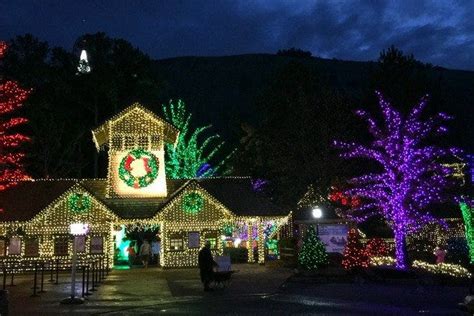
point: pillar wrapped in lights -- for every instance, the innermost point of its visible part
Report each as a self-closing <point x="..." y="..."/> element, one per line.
<point x="260" y="243"/>
<point x="250" y="242"/>
<point x="413" y="176"/>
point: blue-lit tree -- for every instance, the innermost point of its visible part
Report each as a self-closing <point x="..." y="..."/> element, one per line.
<point x="192" y="157"/>
<point x="412" y="174"/>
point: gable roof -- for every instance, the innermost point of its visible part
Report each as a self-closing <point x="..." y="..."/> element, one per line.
<point x="132" y="208"/>
<point x="101" y="134"/>
<point x="23" y="201"/>
<point x="237" y="194"/>
<point x="28" y="198"/>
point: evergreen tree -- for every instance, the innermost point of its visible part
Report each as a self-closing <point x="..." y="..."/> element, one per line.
<point x="313" y="253"/>
<point x="467" y="214"/>
<point x="354" y="254"/>
<point x="192" y="158"/>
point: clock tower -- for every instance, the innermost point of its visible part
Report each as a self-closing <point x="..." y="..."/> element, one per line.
<point x="135" y="141"/>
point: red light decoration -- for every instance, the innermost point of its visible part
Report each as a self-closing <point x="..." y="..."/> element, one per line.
<point x="3" y="48"/>
<point x="337" y="196"/>
<point x="354" y="254"/>
<point x="376" y="247"/>
<point x="12" y="97"/>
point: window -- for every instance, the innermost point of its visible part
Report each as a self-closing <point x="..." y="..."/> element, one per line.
<point x="155" y="141"/>
<point x="193" y="240"/>
<point x="61" y="246"/>
<point x="97" y="244"/>
<point x="80" y="243"/>
<point x="116" y="142"/>
<point x="143" y="141"/>
<point x="14" y="246"/>
<point x="176" y="242"/>
<point x="129" y="142"/>
<point x="211" y="236"/>
<point x="32" y="247"/>
<point x="3" y="247"/>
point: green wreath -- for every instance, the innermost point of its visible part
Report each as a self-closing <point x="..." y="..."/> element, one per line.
<point x="79" y="203"/>
<point x="150" y="164"/>
<point x="192" y="203"/>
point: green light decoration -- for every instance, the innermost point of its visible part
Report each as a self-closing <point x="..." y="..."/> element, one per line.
<point x="192" y="203"/>
<point x="191" y="157"/>
<point x="228" y="230"/>
<point x="313" y="254"/>
<point x="121" y="243"/>
<point x="466" y="211"/>
<point x="149" y="165"/>
<point x="79" y="203"/>
<point x="272" y="246"/>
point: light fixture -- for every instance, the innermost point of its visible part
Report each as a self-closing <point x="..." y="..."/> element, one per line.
<point x="78" y="229"/>
<point x="317" y="212"/>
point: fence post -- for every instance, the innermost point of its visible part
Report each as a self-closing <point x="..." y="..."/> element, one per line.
<point x="93" y="277"/>
<point x="101" y="269"/>
<point x="83" y="280"/>
<point x="51" y="266"/>
<point x="97" y="273"/>
<point x="13" y="275"/>
<point x="87" y="280"/>
<point x="4" y="269"/>
<point x="57" y="271"/>
<point x="35" y="281"/>
<point x="42" y="278"/>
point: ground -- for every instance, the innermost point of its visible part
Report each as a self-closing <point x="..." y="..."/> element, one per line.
<point x="255" y="289"/>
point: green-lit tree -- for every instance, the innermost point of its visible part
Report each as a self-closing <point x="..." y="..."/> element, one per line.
<point x="192" y="157"/>
<point x="467" y="211"/>
<point x="313" y="253"/>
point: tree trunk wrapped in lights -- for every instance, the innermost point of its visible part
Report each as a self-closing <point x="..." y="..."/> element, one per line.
<point x="412" y="177"/>
<point x="191" y="158"/>
<point x="12" y="97"/>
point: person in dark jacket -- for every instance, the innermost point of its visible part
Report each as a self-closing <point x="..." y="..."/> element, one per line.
<point x="206" y="265"/>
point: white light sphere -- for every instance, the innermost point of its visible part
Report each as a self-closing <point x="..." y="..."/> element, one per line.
<point x="237" y="242"/>
<point x="317" y="212"/>
<point x="78" y="229"/>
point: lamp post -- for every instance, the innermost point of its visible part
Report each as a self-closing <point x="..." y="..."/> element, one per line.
<point x="317" y="213"/>
<point x="75" y="229"/>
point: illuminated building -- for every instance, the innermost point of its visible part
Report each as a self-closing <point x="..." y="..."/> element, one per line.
<point x="136" y="193"/>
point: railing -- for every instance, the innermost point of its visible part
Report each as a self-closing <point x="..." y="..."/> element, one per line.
<point x="94" y="271"/>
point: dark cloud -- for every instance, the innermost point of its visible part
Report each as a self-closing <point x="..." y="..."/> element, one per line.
<point x="438" y="32"/>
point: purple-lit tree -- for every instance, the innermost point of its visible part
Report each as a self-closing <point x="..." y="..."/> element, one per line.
<point x="412" y="174"/>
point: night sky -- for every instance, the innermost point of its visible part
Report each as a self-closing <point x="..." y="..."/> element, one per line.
<point x="438" y="32"/>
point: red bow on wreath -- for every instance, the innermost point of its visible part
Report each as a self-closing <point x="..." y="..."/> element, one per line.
<point x="129" y="160"/>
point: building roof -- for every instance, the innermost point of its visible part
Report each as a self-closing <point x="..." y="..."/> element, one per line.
<point x="237" y="194"/>
<point x="28" y="198"/>
<point x="136" y="208"/>
<point x="23" y="201"/>
<point x="147" y="123"/>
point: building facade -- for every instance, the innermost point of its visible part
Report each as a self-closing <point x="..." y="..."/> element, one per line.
<point x="34" y="223"/>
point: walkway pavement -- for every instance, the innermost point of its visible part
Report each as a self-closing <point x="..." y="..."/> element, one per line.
<point x="152" y="289"/>
<point x="254" y="290"/>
